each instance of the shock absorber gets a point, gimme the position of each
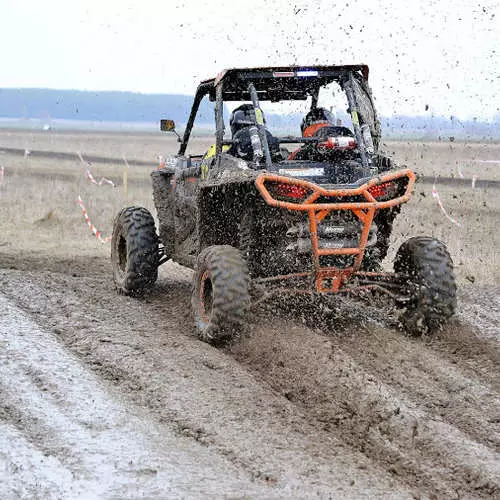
(259, 121)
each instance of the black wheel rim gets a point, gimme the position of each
(122, 253)
(206, 296)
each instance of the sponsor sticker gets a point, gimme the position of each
(303, 172)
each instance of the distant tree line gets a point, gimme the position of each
(45, 104)
(440, 127)
(113, 106)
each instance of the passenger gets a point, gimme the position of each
(241, 121)
(241, 117)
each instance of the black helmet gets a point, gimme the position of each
(317, 115)
(243, 116)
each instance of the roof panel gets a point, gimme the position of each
(277, 83)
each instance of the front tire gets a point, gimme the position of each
(134, 251)
(220, 298)
(431, 284)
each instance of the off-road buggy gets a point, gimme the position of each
(271, 223)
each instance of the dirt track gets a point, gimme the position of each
(107, 396)
(287, 411)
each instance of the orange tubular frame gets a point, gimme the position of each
(364, 211)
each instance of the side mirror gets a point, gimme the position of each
(167, 125)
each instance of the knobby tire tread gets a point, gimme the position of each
(137, 227)
(430, 269)
(231, 299)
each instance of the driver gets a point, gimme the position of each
(315, 119)
(319, 122)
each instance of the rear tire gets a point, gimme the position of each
(134, 251)
(431, 284)
(220, 298)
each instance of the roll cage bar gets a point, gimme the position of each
(275, 84)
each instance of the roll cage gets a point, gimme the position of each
(286, 83)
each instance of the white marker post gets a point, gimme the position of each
(125, 177)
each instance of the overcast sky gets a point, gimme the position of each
(444, 54)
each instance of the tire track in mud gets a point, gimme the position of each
(440, 386)
(145, 349)
(65, 434)
(75, 266)
(343, 384)
(425, 410)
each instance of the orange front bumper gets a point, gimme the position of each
(331, 279)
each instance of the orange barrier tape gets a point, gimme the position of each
(102, 181)
(96, 232)
(435, 195)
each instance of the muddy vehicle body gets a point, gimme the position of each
(249, 215)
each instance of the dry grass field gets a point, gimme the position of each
(39, 211)
(343, 409)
